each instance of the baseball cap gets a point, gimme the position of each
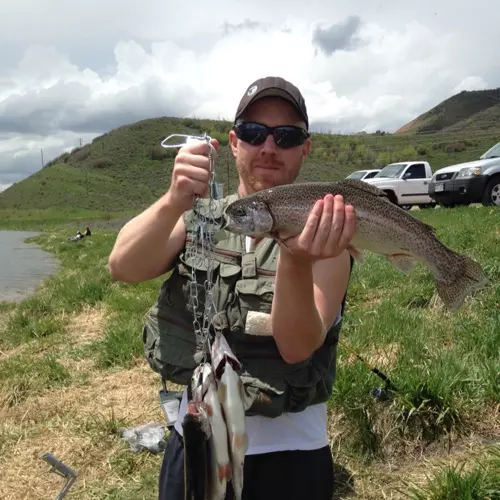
(273, 86)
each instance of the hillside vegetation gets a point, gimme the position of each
(126, 169)
(457, 111)
(489, 119)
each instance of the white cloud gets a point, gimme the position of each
(372, 66)
(471, 83)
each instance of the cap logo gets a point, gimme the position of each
(252, 90)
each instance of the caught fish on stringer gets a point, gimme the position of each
(196, 435)
(216, 440)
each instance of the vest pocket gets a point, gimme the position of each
(170, 346)
(273, 386)
(256, 294)
(301, 387)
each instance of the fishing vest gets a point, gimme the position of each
(243, 287)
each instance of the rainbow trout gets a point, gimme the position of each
(381, 227)
(231, 397)
(220, 467)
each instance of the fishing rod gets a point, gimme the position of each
(380, 393)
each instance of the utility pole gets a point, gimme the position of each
(41, 151)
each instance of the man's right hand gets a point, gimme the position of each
(147, 245)
(191, 173)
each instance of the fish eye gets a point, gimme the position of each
(240, 211)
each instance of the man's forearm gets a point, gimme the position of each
(296, 323)
(141, 248)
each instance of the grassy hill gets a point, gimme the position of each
(489, 119)
(458, 109)
(126, 169)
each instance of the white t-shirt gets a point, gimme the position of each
(306, 430)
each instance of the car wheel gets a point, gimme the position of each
(491, 194)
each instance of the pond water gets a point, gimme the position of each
(23, 266)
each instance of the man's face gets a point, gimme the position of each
(266, 165)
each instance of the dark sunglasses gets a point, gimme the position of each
(285, 136)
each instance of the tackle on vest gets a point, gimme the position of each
(243, 282)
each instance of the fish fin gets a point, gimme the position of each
(364, 186)
(403, 262)
(471, 279)
(356, 253)
(228, 471)
(240, 441)
(221, 392)
(209, 409)
(224, 472)
(281, 241)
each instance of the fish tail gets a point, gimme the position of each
(224, 471)
(470, 279)
(237, 480)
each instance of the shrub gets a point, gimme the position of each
(101, 163)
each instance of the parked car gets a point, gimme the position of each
(475, 181)
(406, 183)
(363, 174)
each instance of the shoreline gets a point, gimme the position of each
(25, 266)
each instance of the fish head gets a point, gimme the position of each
(248, 217)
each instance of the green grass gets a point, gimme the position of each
(70, 219)
(24, 376)
(446, 368)
(478, 480)
(484, 120)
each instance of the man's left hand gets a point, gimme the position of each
(328, 231)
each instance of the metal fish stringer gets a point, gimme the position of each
(201, 249)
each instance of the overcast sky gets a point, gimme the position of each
(70, 71)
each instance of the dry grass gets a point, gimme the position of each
(77, 425)
(403, 462)
(391, 479)
(4, 321)
(88, 325)
(398, 478)
(386, 356)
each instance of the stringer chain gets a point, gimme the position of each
(201, 250)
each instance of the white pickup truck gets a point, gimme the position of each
(406, 183)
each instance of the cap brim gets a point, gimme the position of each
(275, 92)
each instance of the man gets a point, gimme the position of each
(289, 359)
